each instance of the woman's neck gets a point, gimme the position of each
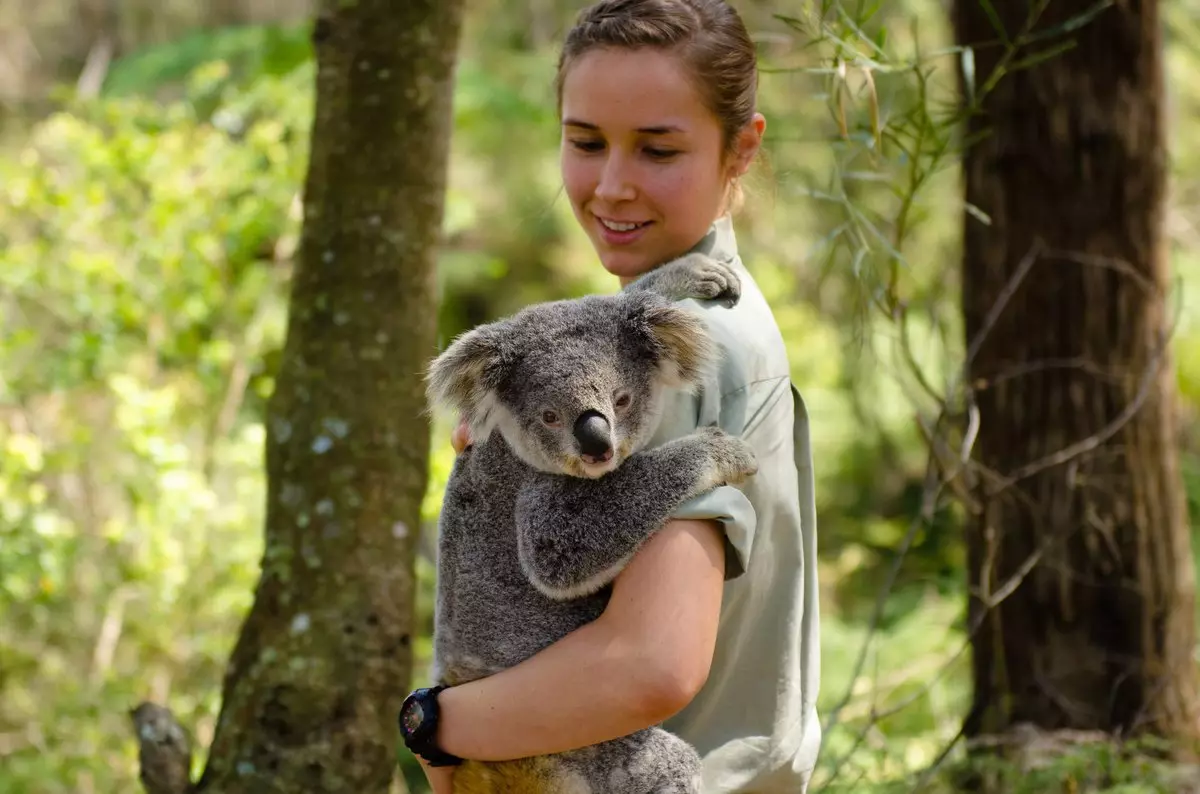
(625, 281)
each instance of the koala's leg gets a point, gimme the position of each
(652, 761)
(671, 764)
(574, 535)
(692, 276)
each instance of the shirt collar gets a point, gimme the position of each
(720, 242)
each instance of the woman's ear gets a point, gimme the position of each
(745, 145)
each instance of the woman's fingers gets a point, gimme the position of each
(460, 439)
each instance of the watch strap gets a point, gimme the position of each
(422, 741)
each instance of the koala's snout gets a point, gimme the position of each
(594, 435)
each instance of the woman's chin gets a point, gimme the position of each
(625, 266)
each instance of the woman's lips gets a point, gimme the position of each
(625, 232)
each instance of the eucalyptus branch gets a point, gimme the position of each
(908, 139)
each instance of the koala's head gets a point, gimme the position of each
(575, 387)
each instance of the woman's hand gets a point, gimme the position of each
(460, 439)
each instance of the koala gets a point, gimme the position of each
(557, 493)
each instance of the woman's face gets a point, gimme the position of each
(642, 157)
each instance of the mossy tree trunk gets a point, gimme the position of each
(1077, 445)
(324, 657)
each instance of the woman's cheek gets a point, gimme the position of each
(671, 188)
(686, 200)
(577, 179)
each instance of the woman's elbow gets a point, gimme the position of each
(666, 682)
(665, 610)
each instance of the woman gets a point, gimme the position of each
(712, 627)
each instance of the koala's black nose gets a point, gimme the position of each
(593, 434)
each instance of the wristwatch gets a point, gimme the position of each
(418, 725)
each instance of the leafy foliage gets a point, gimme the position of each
(143, 305)
(251, 51)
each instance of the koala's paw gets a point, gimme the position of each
(732, 460)
(698, 276)
(711, 280)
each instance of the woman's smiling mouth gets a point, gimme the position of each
(620, 232)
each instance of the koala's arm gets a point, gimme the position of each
(575, 535)
(693, 276)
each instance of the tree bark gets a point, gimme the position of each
(324, 657)
(1073, 382)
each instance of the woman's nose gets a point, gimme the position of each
(615, 184)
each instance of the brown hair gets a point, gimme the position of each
(708, 34)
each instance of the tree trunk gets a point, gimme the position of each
(1077, 445)
(324, 657)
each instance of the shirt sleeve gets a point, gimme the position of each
(683, 414)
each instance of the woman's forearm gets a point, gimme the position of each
(585, 688)
(635, 666)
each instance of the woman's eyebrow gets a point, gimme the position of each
(656, 130)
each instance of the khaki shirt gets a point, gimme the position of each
(755, 721)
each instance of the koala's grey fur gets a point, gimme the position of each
(532, 531)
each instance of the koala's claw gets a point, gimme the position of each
(718, 288)
(713, 280)
(733, 459)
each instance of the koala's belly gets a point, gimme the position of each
(490, 616)
(493, 617)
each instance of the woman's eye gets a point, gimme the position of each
(549, 417)
(661, 154)
(588, 146)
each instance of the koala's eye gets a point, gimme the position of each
(549, 417)
(623, 400)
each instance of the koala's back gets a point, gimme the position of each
(488, 615)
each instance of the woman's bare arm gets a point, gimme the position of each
(642, 661)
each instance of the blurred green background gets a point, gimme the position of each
(150, 158)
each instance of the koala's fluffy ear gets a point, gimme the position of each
(678, 339)
(464, 377)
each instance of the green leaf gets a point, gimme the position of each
(1039, 57)
(994, 19)
(967, 63)
(977, 213)
(1071, 24)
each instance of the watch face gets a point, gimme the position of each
(412, 717)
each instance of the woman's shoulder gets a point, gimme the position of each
(750, 345)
